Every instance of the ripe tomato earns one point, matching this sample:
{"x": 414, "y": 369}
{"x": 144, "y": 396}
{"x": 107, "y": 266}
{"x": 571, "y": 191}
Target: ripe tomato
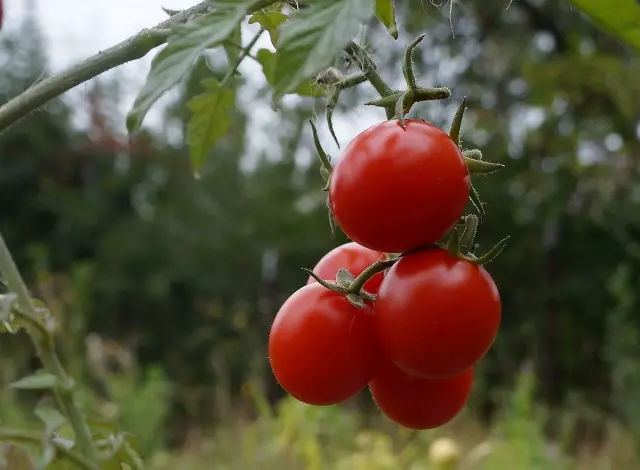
{"x": 322, "y": 349}
{"x": 418, "y": 403}
{"x": 396, "y": 189}
{"x": 436, "y": 314}
{"x": 356, "y": 258}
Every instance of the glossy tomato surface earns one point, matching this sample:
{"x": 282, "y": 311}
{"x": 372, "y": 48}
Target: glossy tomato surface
{"x": 396, "y": 189}
{"x": 418, "y": 403}
{"x": 356, "y": 258}
{"x": 322, "y": 349}
{"x": 436, "y": 314}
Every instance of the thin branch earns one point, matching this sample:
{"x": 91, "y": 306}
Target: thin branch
{"x": 130, "y": 49}
{"x": 46, "y": 351}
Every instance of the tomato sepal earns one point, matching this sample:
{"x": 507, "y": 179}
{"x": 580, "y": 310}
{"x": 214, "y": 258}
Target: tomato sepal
{"x": 456, "y": 124}
{"x": 490, "y": 255}
{"x": 481, "y": 166}
{"x": 407, "y": 68}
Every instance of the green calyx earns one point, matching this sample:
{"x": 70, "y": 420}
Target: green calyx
{"x": 353, "y": 287}
{"x": 461, "y": 242}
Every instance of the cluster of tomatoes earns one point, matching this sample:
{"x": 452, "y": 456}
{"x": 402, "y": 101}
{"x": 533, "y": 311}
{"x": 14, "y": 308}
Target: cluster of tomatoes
{"x": 395, "y": 310}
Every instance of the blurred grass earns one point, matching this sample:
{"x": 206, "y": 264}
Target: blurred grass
{"x": 294, "y": 436}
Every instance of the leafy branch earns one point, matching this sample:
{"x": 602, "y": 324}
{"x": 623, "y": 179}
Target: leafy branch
{"x": 128, "y": 50}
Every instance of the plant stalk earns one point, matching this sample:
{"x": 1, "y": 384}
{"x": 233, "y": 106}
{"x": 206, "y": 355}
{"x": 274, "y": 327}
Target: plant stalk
{"x": 45, "y": 348}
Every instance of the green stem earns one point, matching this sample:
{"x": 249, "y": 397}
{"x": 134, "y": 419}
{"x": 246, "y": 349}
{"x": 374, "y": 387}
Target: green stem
{"x": 23, "y": 437}
{"x": 368, "y": 273}
{"x": 243, "y": 53}
{"x": 45, "y": 348}
{"x": 368, "y": 67}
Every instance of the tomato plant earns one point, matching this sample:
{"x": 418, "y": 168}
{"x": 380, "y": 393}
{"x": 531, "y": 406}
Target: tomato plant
{"x": 437, "y": 314}
{"x": 322, "y": 349}
{"x": 356, "y": 258}
{"x": 397, "y": 188}
{"x": 419, "y": 403}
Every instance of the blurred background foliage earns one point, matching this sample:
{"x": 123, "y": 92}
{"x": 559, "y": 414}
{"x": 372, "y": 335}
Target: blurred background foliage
{"x": 167, "y": 285}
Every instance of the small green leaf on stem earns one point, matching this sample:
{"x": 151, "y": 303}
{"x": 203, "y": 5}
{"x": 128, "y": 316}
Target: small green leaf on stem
{"x": 344, "y": 278}
{"x": 268, "y": 61}
{"x": 474, "y": 154}
{"x": 402, "y": 106}
{"x": 184, "y": 46}
{"x": 491, "y": 254}
{"x": 453, "y": 244}
{"x": 270, "y": 21}
{"x": 385, "y": 12}
{"x": 37, "y": 381}
{"x": 477, "y": 203}
{"x": 325, "y": 160}
{"x": 456, "y": 125}
{"x": 407, "y": 67}
{"x": 233, "y": 48}
{"x": 210, "y": 120}
{"x": 482, "y": 166}
{"x": 170, "y": 12}
{"x": 311, "y": 38}
{"x": 468, "y": 236}
{"x": 332, "y": 102}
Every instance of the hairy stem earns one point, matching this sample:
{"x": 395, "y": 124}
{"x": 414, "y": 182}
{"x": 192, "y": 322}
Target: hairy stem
{"x": 368, "y": 67}
{"x": 368, "y": 273}
{"x": 45, "y": 349}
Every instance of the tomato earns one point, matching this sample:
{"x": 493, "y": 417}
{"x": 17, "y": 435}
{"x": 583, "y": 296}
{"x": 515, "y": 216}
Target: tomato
{"x": 322, "y": 349}
{"x": 436, "y": 314}
{"x": 396, "y": 189}
{"x": 419, "y": 403}
{"x": 351, "y": 256}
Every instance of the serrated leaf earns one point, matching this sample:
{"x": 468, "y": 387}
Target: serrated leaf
{"x": 37, "y": 381}
{"x": 386, "y": 13}
{"x": 184, "y": 46}
{"x": 209, "y": 121}
{"x": 269, "y": 21}
{"x": 312, "y": 37}
{"x": 621, "y": 18}
{"x": 268, "y": 61}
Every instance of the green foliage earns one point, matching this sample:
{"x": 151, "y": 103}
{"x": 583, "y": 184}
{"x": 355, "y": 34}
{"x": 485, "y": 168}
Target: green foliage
{"x": 184, "y": 46}
{"x": 210, "y": 120}
{"x": 312, "y": 38}
{"x": 621, "y": 18}
{"x": 386, "y": 13}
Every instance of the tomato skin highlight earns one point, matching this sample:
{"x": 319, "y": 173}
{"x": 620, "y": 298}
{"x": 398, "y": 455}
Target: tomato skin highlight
{"x": 322, "y": 349}
{"x": 397, "y": 189}
{"x": 419, "y": 403}
{"x": 437, "y": 315}
{"x": 356, "y": 258}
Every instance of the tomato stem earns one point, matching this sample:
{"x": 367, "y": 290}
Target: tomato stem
{"x": 469, "y": 233}
{"x": 377, "y": 267}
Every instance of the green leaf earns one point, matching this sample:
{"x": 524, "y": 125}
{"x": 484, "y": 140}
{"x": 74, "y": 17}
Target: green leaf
{"x": 37, "y": 381}
{"x": 209, "y": 121}
{"x": 621, "y": 18}
{"x": 312, "y": 37}
{"x": 184, "y": 46}
{"x": 268, "y": 60}
{"x": 51, "y": 417}
{"x": 269, "y": 21}
{"x": 386, "y": 13}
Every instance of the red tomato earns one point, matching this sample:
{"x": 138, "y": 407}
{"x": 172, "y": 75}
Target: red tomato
{"x": 436, "y": 314}
{"x": 396, "y": 189}
{"x": 418, "y": 403}
{"x": 322, "y": 349}
{"x": 351, "y": 256}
